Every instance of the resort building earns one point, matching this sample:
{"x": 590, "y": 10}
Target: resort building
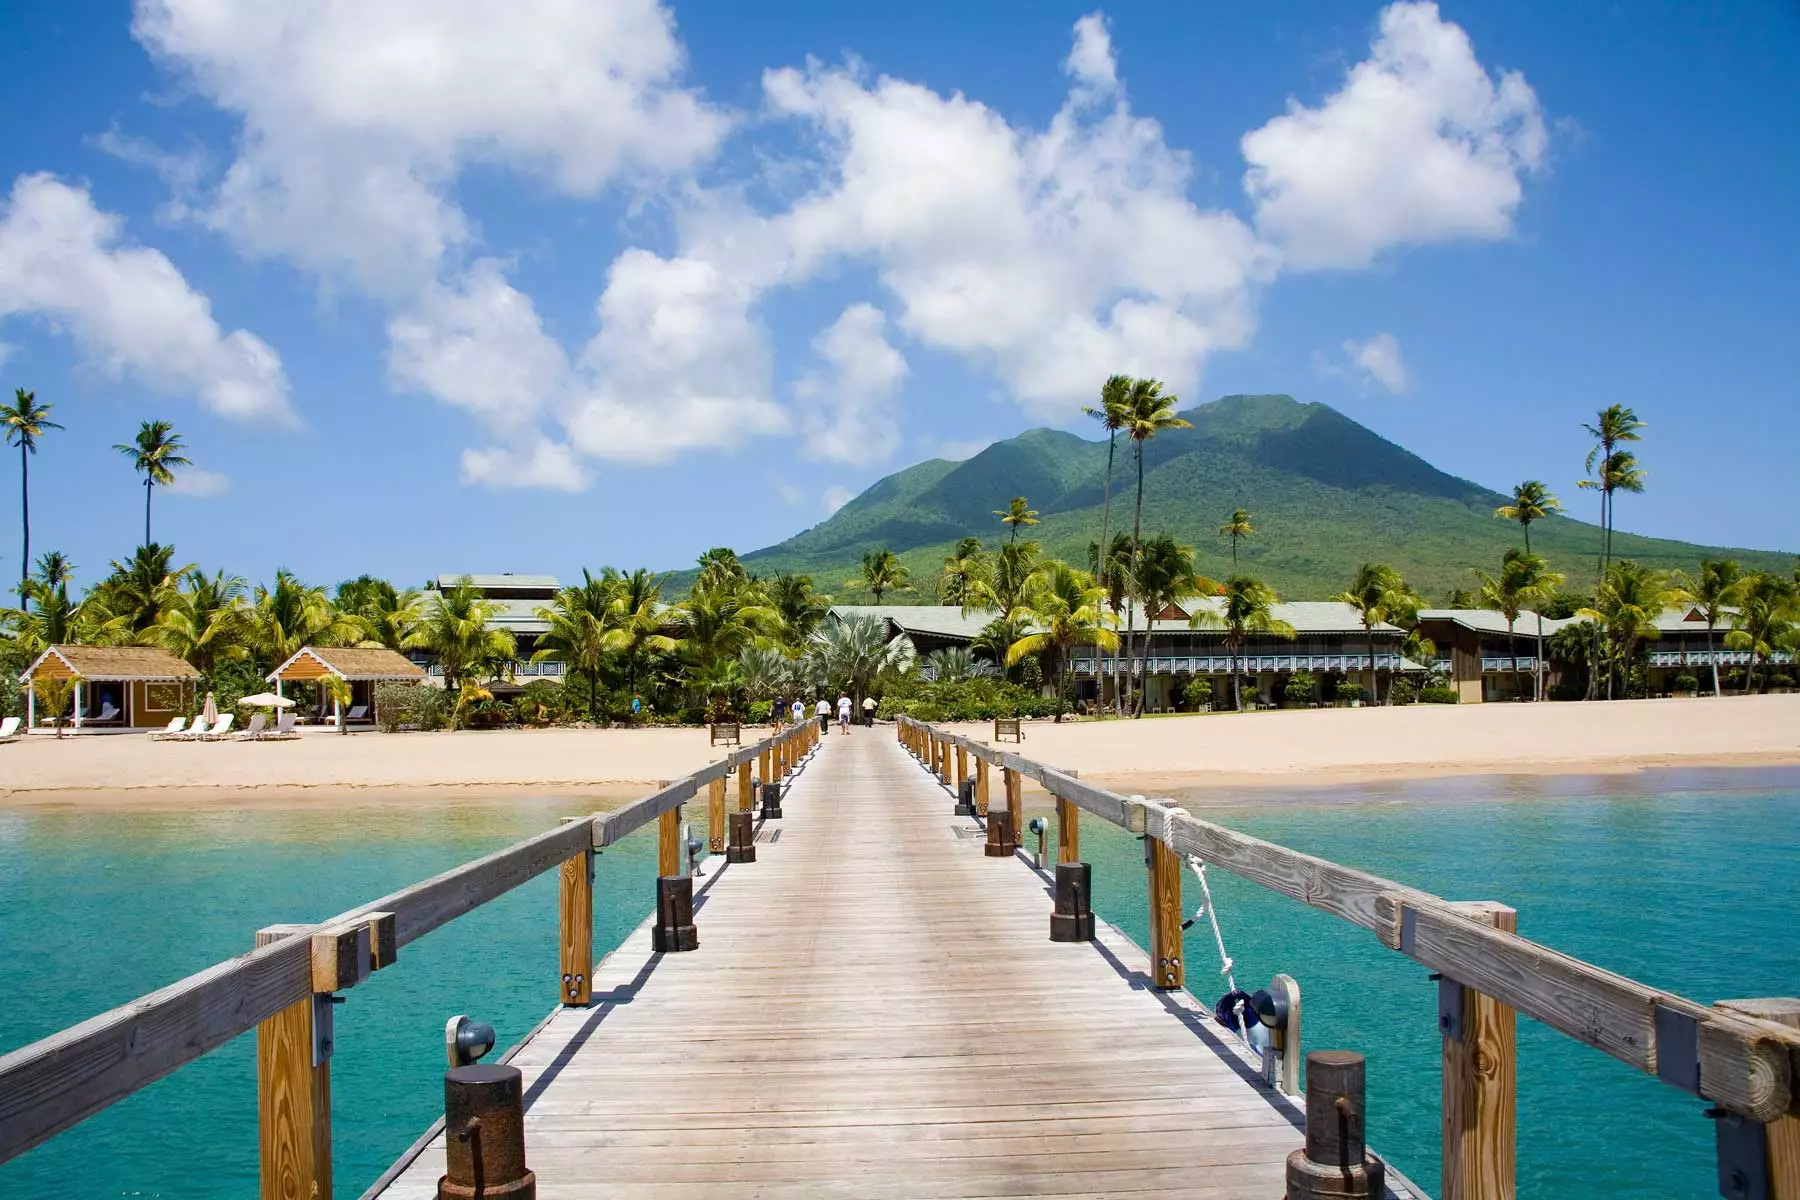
{"x": 518, "y": 598}
{"x": 115, "y": 687}
{"x": 361, "y": 667}
{"x": 931, "y": 627}
{"x": 1475, "y": 653}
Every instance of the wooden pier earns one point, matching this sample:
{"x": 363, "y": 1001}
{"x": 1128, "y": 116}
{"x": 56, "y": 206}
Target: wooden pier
{"x": 870, "y": 996}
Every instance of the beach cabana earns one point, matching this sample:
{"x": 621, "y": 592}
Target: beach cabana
{"x": 360, "y": 666}
{"x": 116, "y": 687}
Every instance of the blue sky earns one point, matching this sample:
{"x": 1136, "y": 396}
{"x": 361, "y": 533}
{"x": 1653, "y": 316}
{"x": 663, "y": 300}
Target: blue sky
{"x": 439, "y": 285}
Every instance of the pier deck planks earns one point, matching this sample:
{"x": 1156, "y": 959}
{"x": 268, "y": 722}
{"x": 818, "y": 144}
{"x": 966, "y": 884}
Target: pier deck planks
{"x": 876, "y": 1010}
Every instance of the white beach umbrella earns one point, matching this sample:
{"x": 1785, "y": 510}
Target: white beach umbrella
{"x": 210, "y": 710}
{"x": 267, "y": 700}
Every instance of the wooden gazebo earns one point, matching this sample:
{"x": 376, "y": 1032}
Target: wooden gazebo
{"x": 126, "y": 687}
{"x": 362, "y": 667}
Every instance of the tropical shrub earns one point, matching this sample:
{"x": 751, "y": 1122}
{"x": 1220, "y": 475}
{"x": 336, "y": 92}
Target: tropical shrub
{"x": 1348, "y": 690}
{"x": 414, "y": 705}
{"x": 1439, "y": 694}
{"x": 761, "y": 711}
{"x": 1781, "y": 680}
{"x": 1567, "y": 691}
{"x": 1684, "y": 683}
{"x": 231, "y": 681}
{"x": 1298, "y": 691}
{"x": 547, "y": 702}
{"x": 1199, "y": 693}
{"x": 1405, "y": 691}
{"x": 971, "y": 700}
{"x": 1031, "y": 674}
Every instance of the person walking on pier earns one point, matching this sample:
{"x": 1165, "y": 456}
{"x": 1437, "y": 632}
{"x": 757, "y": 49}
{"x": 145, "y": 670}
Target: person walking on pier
{"x": 869, "y": 711}
{"x": 844, "y": 713}
{"x": 822, "y": 710}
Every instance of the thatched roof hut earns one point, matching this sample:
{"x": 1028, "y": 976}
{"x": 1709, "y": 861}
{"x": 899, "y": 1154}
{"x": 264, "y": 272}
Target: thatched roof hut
{"x": 129, "y": 687}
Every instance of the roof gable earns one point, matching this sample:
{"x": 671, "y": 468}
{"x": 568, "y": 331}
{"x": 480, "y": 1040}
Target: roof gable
{"x": 108, "y": 663}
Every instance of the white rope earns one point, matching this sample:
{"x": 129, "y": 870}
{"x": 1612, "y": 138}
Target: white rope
{"x": 1225, "y": 960}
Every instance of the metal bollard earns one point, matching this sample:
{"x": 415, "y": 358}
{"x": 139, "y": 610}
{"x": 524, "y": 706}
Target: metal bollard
{"x": 965, "y": 799}
{"x": 674, "y": 929}
{"x": 1335, "y": 1162}
{"x": 484, "y": 1142}
{"x": 771, "y": 802}
{"x": 1072, "y": 920}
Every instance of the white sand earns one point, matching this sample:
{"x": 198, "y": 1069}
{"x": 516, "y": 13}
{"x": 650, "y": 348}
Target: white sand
{"x": 1341, "y": 744}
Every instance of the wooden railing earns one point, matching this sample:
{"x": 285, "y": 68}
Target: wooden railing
{"x": 284, "y": 988}
{"x": 1743, "y": 1055}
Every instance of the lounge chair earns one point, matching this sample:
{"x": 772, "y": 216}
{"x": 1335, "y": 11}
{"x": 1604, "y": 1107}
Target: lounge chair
{"x": 357, "y": 713}
{"x": 284, "y": 724}
{"x": 221, "y": 730}
{"x": 9, "y": 729}
{"x": 258, "y": 723}
{"x": 174, "y": 728}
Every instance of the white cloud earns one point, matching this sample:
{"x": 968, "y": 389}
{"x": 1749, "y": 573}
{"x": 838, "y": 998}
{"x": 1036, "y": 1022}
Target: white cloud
{"x": 1091, "y": 63}
{"x": 1379, "y": 359}
{"x": 1420, "y": 145}
{"x": 790, "y": 495}
{"x": 835, "y": 497}
{"x": 847, "y": 410}
{"x": 126, "y": 307}
{"x": 539, "y": 464}
{"x": 961, "y": 451}
{"x": 180, "y": 171}
{"x": 198, "y": 483}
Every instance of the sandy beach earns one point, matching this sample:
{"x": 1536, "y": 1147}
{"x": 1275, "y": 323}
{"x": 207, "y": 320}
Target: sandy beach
{"x": 1222, "y": 751}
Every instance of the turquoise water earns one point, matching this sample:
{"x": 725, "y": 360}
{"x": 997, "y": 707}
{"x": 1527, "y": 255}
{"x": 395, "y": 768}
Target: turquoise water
{"x": 1690, "y": 882}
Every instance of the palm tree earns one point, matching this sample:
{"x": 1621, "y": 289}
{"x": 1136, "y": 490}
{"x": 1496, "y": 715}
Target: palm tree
{"x": 957, "y": 664}
{"x": 853, "y": 652}
{"x": 290, "y": 614}
{"x": 882, "y": 572}
{"x": 458, "y": 629}
{"x": 1003, "y": 590}
{"x": 1237, "y": 527}
{"x": 581, "y": 632}
{"x": 1627, "y": 604}
{"x": 1165, "y": 575}
{"x": 965, "y": 566}
{"x": 641, "y": 622}
{"x": 206, "y": 623}
{"x": 1768, "y": 606}
{"x": 720, "y": 568}
{"x": 1016, "y": 514}
{"x": 717, "y": 625}
{"x": 1112, "y": 413}
{"x": 1531, "y": 501}
{"x": 25, "y": 421}
{"x": 1065, "y": 608}
{"x": 155, "y": 452}
{"x": 56, "y": 620}
{"x": 1525, "y": 583}
{"x": 1378, "y": 593}
{"x": 1246, "y": 606}
{"x": 131, "y": 600}
{"x": 800, "y": 606}
{"x": 1114, "y": 576}
{"x": 1613, "y": 425}
{"x": 1148, "y": 413}
{"x": 1712, "y": 593}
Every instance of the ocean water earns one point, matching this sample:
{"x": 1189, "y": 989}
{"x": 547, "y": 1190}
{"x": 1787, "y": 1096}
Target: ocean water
{"x": 1686, "y": 881}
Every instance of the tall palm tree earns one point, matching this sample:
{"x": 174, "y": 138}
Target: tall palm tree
{"x": 1236, "y": 527}
{"x": 1613, "y": 425}
{"x": 717, "y": 625}
{"x": 1378, "y": 593}
{"x": 1114, "y": 576}
{"x": 800, "y": 605}
{"x": 1525, "y": 583}
{"x": 156, "y": 452}
{"x": 1627, "y": 604}
{"x": 1712, "y": 593}
{"x": 1065, "y": 608}
{"x": 206, "y": 623}
{"x": 1165, "y": 575}
{"x": 458, "y": 628}
{"x": 1016, "y": 514}
{"x": 1768, "y": 606}
{"x": 965, "y": 566}
{"x": 133, "y": 598}
{"x": 1004, "y": 587}
{"x": 642, "y": 622}
{"x": 580, "y": 634}
{"x": 720, "y": 568}
{"x": 883, "y": 572}
{"x": 290, "y": 614}
{"x": 1148, "y": 413}
{"x": 1114, "y": 408}
{"x": 1531, "y": 501}
{"x": 1246, "y": 606}
{"x": 25, "y": 421}
{"x": 56, "y": 620}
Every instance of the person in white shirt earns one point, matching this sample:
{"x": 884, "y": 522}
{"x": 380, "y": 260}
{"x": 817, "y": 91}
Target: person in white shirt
{"x": 798, "y": 712}
{"x": 823, "y": 711}
{"x": 843, "y": 713}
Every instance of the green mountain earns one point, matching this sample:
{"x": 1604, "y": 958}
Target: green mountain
{"x": 1325, "y": 494}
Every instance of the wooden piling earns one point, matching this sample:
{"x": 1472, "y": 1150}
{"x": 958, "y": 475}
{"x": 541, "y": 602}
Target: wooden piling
{"x": 1015, "y": 801}
{"x": 1168, "y": 970}
{"x": 715, "y": 815}
{"x": 1480, "y": 1089}
{"x": 1068, "y": 831}
{"x": 962, "y": 768}
{"x": 762, "y": 766}
{"x": 576, "y": 903}
{"x": 668, "y": 842}
{"x": 981, "y": 787}
{"x": 293, "y": 1099}
{"x": 744, "y": 786}
{"x": 1783, "y": 1133}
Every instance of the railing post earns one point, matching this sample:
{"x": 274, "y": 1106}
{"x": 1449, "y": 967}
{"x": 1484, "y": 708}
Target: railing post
{"x": 1003, "y": 835}
{"x": 1335, "y": 1163}
{"x": 1168, "y": 973}
{"x": 981, "y": 787}
{"x": 1780, "y": 1137}
{"x": 762, "y": 764}
{"x": 1015, "y": 802}
{"x": 962, "y": 768}
{"x": 715, "y": 815}
{"x": 674, "y": 928}
{"x": 1068, "y": 831}
{"x": 743, "y": 796}
{"x": 576, "y": 903}
{"x": 293, "y": 1095}
{"x": 1480, "y": 1090}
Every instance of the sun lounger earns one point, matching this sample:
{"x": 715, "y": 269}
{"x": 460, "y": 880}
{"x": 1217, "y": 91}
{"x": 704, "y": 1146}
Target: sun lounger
{"x": 175, "y": 728}
{"x": 9, "y": 729}
{"x": 360, "y": 712}
{"x": 221, "y": 730}
{"x": 258, "y": 723}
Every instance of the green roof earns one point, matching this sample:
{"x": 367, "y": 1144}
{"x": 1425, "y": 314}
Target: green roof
{"x": 505, "y": 579}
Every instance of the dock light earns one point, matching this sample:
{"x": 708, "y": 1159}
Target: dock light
{"x": 1271, "y": 1008}
{"x": 465, "y": 1041}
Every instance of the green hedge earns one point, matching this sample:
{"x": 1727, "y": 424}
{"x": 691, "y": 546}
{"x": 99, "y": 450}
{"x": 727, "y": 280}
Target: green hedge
{"x": 968, "y": 700}
{"x": 1438, "y": 694}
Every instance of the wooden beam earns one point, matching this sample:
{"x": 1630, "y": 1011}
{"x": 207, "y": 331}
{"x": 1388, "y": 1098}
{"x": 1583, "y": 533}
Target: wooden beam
{"x": 1783, "y": 1133}
{"x": 981, "y": 787}
{"x": 715, "y": 816}
{"x": 962, "y": 770}
{"x": 293, "y": 1095}
{"x": 743, "y": 796}
{"x": 668, "y": 843}
{"x": 575, "y": 939}
{"x": 1015, "y": 802}
{"x": 1480, "y": 1085}
{"x": 1068, "y": 831}
{"x": 1167, "y": 968}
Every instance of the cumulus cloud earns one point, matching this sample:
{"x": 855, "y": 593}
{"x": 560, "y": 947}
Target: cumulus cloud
{"x": 1420, "y": 145}
{"x": 1379, "y": 359}
{"x": 127, "y": 308}
{"x": 541, "y": 463}
{"x": 847, "y": 409}
{"x": 198, "y": 483}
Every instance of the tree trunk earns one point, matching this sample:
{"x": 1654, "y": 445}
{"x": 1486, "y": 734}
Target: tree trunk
{"x": 1137, "y": 530}
{"x": 1237, "y": 695}
{"x": 1526, "y": 526}
{"x": 1712, "y": 652}
{"x": 1512, "y": 648}
{"x": 25, "y": 511}
{"x": 1374, "y": 691}
{"x": 1100, "y": 559}
{"x": 149, "y": 487}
